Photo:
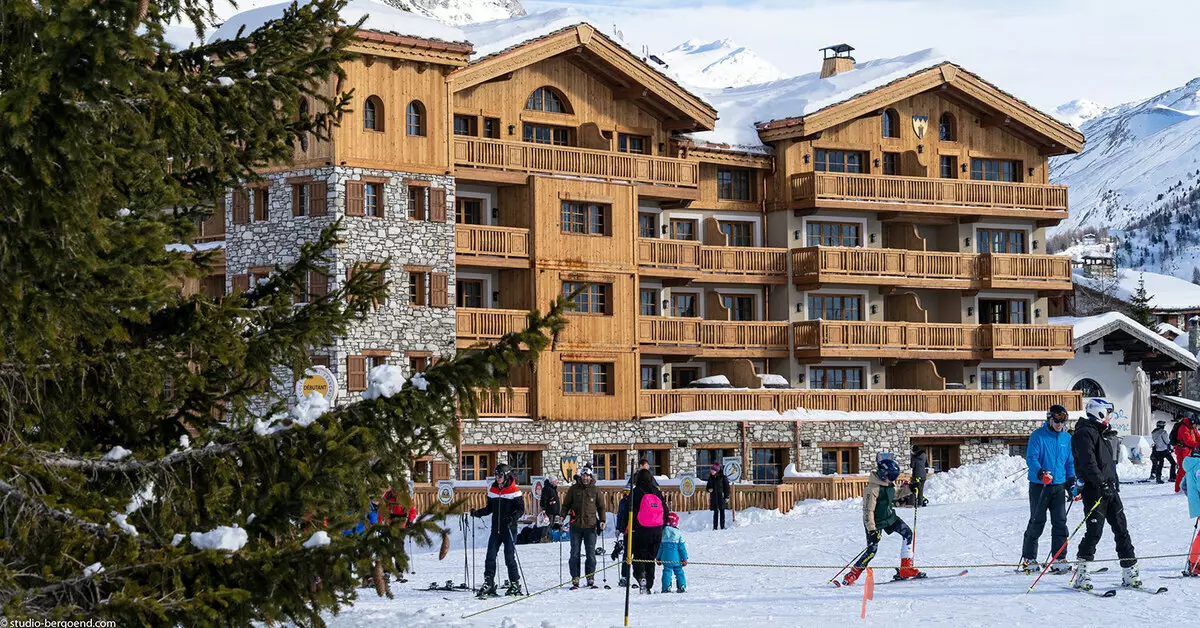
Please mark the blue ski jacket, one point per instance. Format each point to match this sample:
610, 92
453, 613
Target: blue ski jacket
1051, 451
673, 549
1191, 466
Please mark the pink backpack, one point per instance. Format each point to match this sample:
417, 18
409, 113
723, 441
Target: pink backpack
650, 512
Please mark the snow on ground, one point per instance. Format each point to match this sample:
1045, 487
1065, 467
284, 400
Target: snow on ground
976, 516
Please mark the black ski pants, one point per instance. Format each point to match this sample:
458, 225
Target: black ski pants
718, 517
898, 526
645, 548
587, 538
1157, 459
1113, 511
1045, 498
498, 537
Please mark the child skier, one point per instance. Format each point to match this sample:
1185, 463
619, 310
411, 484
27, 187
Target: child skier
1191, 466
672, 555
879, 516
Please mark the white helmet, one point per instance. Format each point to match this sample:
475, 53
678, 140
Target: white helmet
1098, 409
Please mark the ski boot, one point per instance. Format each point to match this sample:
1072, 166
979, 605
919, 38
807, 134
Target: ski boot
851, 576
1193, 569
1057, 567
487, 590
592, 583
622, 583
574, 584
907, 571
642, 586
679, 589
1083, 579
1130, 578
1026, 566
514, 588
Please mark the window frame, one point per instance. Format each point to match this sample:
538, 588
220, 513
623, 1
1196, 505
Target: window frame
415, 122
828, 302
839, 228
889, 124
844, 457
947, 127
372, 199
948, 166
757, 468
678, 222
1007, 238
462, 292
819, 377
659, 459
705, 460
735, 304
587, 378
652, 302
988, 378
735, 184
647, 230
418, 284
585, 219
524, 463
995, 170
464, 216
655, 372
595, 298
482, 463
609, 464
626, 141
373, 110
547, 99
890, 164
695, 303
547, 134
677, 376
418, 197
469, 126
824, 158
745, 237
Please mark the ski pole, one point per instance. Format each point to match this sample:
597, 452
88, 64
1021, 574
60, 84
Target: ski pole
518, 557
852, 561
1064, 545
603, 559
916, 507
474, 561
462, 524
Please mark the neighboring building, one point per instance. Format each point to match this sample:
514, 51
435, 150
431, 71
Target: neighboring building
1172, 300
1095, 257
874, 246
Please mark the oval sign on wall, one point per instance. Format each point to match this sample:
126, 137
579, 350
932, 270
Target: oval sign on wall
318, 379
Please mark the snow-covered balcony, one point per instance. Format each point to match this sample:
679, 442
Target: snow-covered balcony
521, 157
836, 190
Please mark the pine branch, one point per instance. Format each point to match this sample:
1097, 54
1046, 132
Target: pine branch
43, 510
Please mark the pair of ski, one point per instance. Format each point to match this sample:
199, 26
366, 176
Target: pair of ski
838, 583
576, 587
1113, 592
449, 586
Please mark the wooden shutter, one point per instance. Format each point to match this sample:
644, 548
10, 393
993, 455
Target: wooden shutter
354, 198
261, 200
439, 291
437, 204
318, 283
241, 206
356, 373
439, 470
296, 199
241, 283
316, 198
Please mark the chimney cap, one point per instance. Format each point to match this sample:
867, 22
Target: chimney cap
839, 50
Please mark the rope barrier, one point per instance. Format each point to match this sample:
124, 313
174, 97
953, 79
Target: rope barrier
975, 566
532, 595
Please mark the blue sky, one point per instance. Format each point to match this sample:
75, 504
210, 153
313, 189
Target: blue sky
1046, 52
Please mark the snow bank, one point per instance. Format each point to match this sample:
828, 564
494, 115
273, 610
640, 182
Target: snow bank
1002, 477
318, 539
221, 538
711, 380
1165, 292
384, 380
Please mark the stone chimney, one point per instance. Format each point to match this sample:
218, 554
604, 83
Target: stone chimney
837, 59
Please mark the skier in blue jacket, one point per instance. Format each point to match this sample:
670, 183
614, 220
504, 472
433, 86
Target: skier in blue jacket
1051, 477
672, 555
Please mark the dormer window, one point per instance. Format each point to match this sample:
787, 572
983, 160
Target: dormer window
547, 99
890, 122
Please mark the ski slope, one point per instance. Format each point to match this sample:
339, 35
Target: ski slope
958, 527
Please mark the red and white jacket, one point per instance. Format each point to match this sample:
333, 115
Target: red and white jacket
505, 505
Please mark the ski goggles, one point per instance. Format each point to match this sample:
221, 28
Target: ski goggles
1059, 418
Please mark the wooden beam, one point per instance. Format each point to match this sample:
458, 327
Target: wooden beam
678, 125
507, 76
966, 220
633, 93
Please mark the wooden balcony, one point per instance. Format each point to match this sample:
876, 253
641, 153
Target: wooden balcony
485, 245
831, 190
524, 157
476, 325
691, 260
511, 402
815, 265
932, 341
705, 338
656, 403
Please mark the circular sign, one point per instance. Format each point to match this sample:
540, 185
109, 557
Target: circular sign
445, 492
733, 468
687, 485
318, 379
538, 482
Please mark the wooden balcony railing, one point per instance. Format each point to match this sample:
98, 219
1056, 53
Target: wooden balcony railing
491, 241
685, 255
700, 333
512, 402
476, 324
656, 403
818, 186
903, 339
822, 264
530, 157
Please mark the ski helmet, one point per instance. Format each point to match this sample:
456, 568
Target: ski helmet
1097, 409
1161, 424
888, 470
503, 472
673, 520
587, 472
1056, 410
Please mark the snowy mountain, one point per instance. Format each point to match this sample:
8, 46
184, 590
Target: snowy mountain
1139, 177
1078, 111
717, 64
460, 12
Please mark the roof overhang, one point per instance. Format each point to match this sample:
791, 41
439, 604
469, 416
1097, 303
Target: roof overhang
629, 76
408, 48
1139, 344
994, 107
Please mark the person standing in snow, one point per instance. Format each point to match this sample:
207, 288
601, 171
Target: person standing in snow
550, 503
879, 516
920, 470
506, 505
1051, 476
585, 506
1161, 452
718, 494
1096, 465
1191, 467
649, 519
1186, 440
672, 555
622, 521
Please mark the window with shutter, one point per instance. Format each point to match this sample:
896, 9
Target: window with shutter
262, 200
354, 198
318, 284
241, 207
416, 202
241, 283
356, 373
437, 204
439, 294
317, 201
300, 199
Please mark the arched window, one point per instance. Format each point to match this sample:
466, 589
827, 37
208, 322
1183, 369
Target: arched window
303, 114
1089, 387
373, 114
415, 118
890, 121
947, 132
549, 100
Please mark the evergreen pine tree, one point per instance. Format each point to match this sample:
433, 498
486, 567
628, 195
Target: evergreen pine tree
115, 145
1196, 275
1139, 306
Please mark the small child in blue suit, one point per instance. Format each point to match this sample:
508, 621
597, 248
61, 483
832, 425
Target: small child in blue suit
672, 555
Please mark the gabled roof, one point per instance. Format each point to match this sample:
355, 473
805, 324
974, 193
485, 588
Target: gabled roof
1139, 343
507, 45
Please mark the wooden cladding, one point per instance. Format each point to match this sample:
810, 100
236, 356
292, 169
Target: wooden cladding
655, 403
919, 193
822, 338
685, 255
475, 324
531, 157
492, 241
816, 265
666, 331
510, 402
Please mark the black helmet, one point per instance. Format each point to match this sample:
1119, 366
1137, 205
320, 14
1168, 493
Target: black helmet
503, 470
1055, 410
888, 470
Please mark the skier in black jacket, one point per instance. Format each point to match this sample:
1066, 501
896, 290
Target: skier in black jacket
1097, 467
506, 505
718, 494
920, 470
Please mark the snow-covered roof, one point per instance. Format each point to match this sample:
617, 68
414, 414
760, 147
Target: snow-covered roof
200, 246
1182, 402
804, 414
496, 36
380, 18
741, 108
1079, 252
1089, 329
1166, 293
1167, 328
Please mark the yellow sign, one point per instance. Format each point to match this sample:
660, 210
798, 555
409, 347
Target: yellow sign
314, 383
920, 124
320, 380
